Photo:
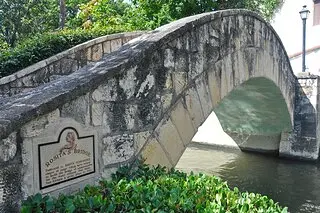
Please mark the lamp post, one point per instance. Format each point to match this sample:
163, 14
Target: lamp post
304, 15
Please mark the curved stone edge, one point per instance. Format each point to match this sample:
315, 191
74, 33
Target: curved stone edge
23, 108
33, 69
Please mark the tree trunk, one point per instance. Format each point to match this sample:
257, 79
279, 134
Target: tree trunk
62, 16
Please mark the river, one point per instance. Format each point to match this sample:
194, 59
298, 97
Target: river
291, 183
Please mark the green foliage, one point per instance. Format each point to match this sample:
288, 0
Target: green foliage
20, 18
150, 14
42, 46
155, 190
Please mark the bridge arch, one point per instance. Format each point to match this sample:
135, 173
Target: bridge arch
148, 98
229, 51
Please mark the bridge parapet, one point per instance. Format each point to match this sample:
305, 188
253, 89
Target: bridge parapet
63, 63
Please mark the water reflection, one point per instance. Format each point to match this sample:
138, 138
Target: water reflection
292, 183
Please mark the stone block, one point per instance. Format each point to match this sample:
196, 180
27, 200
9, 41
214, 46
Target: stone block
8, 147
148, 113
179, 81
78, 109
107, 172
89, 54
166, 100
226, 76
97, 110
97, 52
106, 92
153, 154
194, 107
169, 58
204, 95
35, 127
170, 139
182, 121
119, 116
181, 62
106, 47
196, 64
145, 86
68, 66
140, 139
27, 162
117, 149
214, 83
27, 81
116, 44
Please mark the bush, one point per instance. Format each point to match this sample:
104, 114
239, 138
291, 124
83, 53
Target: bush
43, 46
155, 190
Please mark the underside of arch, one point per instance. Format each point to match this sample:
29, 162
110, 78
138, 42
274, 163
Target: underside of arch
254, 114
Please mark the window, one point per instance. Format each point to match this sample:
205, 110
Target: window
316, 12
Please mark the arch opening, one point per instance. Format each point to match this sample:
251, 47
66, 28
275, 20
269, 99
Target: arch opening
251, 117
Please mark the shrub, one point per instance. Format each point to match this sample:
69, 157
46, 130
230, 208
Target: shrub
155, 190
43, 46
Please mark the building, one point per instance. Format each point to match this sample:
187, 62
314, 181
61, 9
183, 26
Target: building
288, 24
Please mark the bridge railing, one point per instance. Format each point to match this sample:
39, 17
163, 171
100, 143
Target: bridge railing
63, 63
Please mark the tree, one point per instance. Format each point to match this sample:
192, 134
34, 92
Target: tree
62, 15
150, 14
19, 18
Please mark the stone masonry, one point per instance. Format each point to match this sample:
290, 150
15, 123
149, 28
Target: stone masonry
63, 63
148, 98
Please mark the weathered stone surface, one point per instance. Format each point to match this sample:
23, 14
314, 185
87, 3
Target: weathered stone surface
63, 63
204, 95
107, 172
194, 107
97, 52
179, 81
166, 100
116, 44
137, 90
36, 126
107, 47
106, 92
78, 109
170, 139
89, 53
169, 59
119, 117
153, 154
97, 111
140, 140
117, 149
214, 83
8, 147
27, 162
181, 119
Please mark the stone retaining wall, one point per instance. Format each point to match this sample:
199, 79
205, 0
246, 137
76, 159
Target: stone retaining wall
63, 63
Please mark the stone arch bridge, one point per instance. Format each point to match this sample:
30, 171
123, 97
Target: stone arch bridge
148, 98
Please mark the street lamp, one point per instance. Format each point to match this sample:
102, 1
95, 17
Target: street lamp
304, 15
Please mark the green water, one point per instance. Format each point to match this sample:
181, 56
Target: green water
292, 183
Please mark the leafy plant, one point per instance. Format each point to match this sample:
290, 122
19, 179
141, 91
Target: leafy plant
43, 46
157, 189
